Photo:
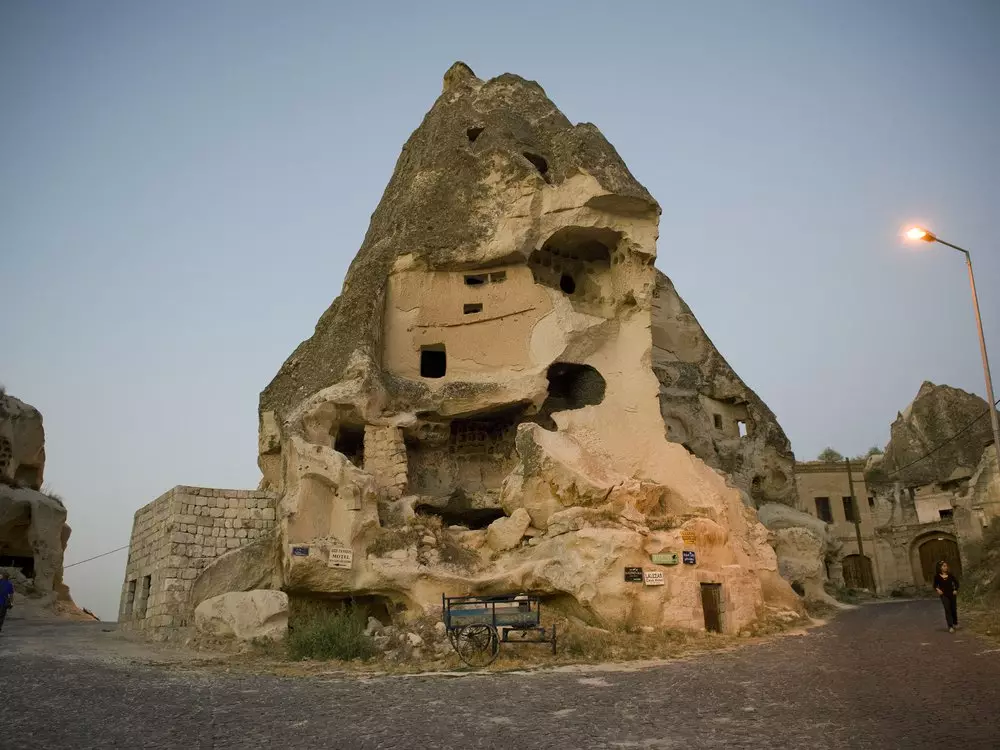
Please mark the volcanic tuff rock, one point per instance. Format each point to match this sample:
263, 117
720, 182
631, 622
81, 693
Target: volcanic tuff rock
491, 356
33, 530
247, 615
938, 418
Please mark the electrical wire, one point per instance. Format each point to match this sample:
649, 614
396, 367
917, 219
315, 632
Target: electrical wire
103, 554
941, 445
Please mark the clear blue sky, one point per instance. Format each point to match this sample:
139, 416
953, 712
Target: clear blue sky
183, 184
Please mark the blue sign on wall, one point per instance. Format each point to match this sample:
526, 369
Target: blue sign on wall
688, 557
300, 551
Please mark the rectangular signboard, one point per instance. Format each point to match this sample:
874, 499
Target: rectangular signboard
689, 558
341, 557
653, 577
689, 537
665, 558
300, 551
633, 575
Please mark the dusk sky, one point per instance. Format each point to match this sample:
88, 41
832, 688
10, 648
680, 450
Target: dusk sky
183, 185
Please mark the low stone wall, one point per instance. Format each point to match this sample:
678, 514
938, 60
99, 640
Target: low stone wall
177, 536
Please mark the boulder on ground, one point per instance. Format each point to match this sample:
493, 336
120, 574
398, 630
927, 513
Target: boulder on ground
802, 543
244, 614
507, 532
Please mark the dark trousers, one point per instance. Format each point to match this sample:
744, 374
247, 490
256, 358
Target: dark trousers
3, 616
950, 609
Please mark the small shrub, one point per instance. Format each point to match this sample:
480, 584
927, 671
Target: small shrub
334, 635
393, 539
453, 553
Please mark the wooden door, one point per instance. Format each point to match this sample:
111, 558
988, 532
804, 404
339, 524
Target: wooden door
711, 604
858, 572
934, 550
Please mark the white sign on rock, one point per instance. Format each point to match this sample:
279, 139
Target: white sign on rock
341, 557
653, 577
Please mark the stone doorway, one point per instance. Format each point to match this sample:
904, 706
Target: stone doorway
858, 572
936, 549
711, 604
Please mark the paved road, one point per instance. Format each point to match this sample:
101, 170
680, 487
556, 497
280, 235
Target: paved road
882, 676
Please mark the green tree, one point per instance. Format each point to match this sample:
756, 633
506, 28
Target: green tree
829, 454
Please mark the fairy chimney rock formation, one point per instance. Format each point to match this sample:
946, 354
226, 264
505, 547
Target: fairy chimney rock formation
940, 436
482, 409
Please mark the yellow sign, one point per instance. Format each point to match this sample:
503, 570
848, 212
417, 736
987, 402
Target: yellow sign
689, 537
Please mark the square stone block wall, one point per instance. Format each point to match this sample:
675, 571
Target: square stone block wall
177, 536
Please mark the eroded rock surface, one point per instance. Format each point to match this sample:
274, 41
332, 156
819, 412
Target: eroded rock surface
482, 410
33, 530
246, 615
931, 441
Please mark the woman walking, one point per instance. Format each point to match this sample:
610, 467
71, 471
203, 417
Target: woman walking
946, 586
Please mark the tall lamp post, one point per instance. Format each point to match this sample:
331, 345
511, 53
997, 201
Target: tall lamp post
919, 233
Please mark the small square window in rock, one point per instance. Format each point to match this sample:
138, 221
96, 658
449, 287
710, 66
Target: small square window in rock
498, 276
433, 361
717, 421
472, 308
476, 279
946, 513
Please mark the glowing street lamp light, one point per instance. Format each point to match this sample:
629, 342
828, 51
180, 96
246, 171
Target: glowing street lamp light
919, 233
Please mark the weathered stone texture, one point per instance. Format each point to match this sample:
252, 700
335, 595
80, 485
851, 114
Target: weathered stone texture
33, 530
245, 615
929, 425
179, 536
704, 403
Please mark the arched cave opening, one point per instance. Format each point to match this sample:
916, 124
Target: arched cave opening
457, 515
24, 563
305, 606
571, 386
574, 260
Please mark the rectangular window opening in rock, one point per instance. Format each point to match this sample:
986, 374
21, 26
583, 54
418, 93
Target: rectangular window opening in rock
717, 421
823, 509
433, 361
742, 426
871, 501
472, 308
350, 441
848, 509
711, 604
498, 276
477, 279
946, 513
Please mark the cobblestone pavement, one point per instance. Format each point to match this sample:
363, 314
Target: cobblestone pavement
882, 676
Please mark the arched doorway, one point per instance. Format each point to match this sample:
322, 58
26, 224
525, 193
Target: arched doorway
935, 547
858, 572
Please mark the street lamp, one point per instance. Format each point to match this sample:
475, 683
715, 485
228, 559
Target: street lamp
919, 233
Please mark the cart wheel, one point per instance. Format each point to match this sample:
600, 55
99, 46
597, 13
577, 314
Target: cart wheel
477, 645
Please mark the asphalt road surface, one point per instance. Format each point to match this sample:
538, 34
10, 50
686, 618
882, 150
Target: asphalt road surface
881, 676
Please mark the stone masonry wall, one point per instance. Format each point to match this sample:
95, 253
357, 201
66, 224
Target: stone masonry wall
177, 536
385, 459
